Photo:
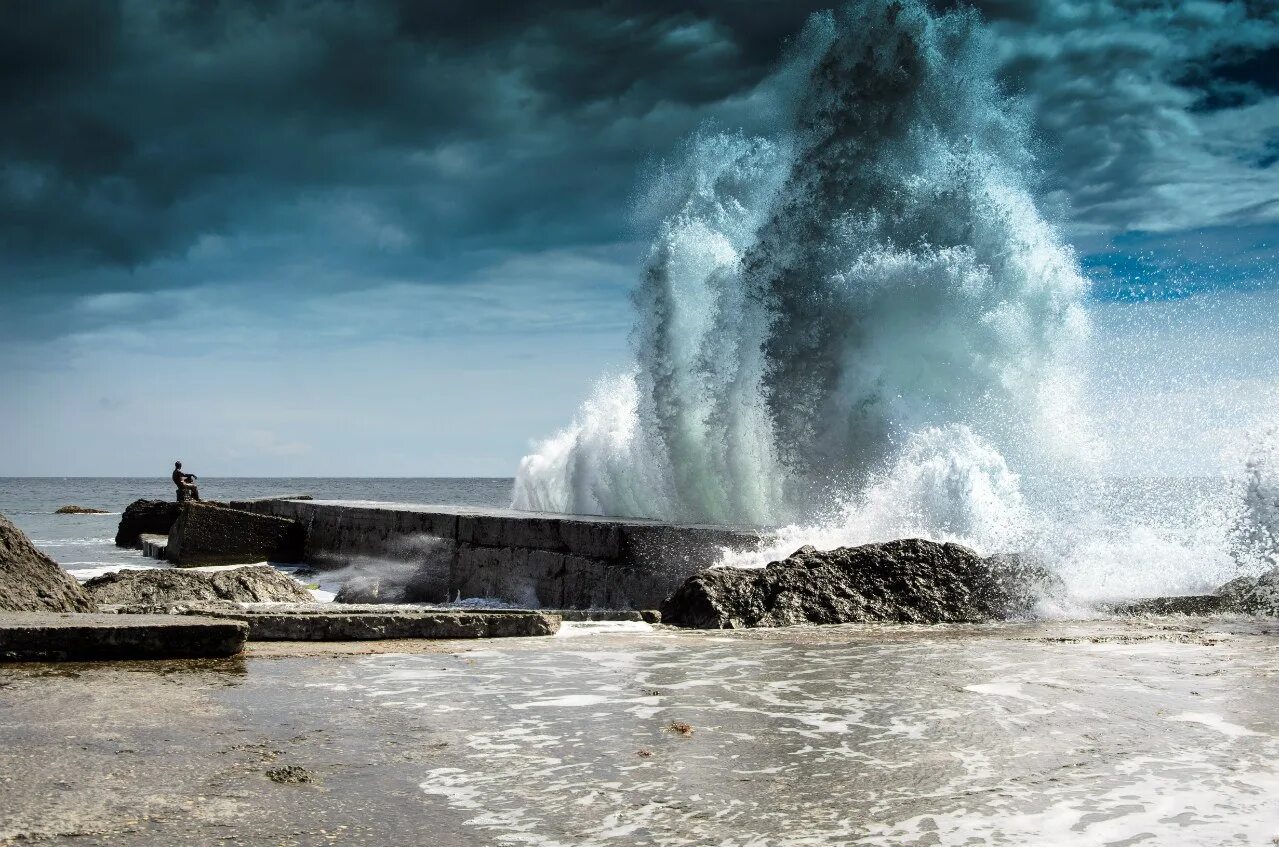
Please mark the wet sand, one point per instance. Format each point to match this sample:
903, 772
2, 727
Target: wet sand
1153, 732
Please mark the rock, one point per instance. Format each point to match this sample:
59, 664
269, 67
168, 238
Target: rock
369, 588
289, 775
214, 534
79, 510
1245, 595
1253, 595
1198, 605
32, 582
161, 588
145, 517
906, 581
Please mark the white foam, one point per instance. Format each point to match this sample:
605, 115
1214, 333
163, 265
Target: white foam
577, 629
1011, 690
85, 574
1215, 722
567, 701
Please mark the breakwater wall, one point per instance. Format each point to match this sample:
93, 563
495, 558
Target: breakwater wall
535, 559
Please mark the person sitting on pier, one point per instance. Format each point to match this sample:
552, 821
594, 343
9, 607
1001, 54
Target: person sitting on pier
185, 483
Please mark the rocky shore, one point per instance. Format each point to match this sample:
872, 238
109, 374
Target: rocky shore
179, 612
904, 581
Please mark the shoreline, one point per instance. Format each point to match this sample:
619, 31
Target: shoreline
401, 739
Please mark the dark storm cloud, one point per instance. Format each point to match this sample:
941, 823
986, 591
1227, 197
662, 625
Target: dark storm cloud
1150, 115
133, 129
395, 137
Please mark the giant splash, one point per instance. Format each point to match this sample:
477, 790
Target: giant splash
861, 327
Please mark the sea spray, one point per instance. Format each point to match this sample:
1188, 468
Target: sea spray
1255, 528
860, 327
816, 302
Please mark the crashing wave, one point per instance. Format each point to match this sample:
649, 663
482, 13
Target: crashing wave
815, 300
861, 327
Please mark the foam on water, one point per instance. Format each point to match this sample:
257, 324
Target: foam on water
860, 327
577, 629
846, 736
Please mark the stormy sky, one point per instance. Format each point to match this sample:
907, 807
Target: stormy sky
396, 238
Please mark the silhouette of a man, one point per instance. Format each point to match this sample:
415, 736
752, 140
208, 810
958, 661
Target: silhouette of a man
185, 483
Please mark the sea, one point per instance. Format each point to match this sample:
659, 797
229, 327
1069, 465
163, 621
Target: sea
85, 544
1135, 537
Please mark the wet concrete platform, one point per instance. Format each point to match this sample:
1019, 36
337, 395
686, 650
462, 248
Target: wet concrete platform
46, 636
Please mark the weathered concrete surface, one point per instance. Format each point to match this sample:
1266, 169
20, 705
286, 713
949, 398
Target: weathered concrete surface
154, 546
211, 534
527, 558
143, 517
32, 582
49, 637
328, 623
168, 587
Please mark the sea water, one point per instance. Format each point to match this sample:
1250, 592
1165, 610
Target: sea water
85, 544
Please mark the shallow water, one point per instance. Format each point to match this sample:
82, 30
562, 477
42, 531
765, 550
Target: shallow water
1106, 733
1045, 734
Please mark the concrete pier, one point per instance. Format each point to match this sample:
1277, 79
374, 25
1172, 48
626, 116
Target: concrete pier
50, 637
336, 622
531, 559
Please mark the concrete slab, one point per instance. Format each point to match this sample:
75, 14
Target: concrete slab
49, 637
371, 508
644, 615
340, 624
154, 546
209, 534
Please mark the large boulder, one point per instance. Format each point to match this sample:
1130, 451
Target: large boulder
170, 587
145, 517
906, 581
214, 534
32, 582
1253, 595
